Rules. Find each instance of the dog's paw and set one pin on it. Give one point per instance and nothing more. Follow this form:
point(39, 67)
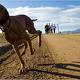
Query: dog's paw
point(23, 71)
point(34, 50)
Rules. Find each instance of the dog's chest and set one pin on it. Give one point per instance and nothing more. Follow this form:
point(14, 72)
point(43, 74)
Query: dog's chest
point(11, 37)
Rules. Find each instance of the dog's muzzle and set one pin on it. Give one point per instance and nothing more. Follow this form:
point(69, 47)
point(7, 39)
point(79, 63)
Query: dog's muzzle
point(5, 26)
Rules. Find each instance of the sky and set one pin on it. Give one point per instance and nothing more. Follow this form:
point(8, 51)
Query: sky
point(65, 14)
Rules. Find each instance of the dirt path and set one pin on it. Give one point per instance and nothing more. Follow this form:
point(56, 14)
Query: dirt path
point(57, 59)
point(37, 65)
point(65, 51)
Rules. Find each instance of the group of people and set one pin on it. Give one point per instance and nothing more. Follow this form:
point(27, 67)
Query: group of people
point(50, 28)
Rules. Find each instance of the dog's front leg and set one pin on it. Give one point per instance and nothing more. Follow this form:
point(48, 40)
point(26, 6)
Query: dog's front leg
point(25, 44)
point(21, 60)
point(30, 44)
point(39, 33)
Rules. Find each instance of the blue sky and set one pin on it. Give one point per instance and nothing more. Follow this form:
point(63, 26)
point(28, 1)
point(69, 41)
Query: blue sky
point(39, 3)
point(65, 13)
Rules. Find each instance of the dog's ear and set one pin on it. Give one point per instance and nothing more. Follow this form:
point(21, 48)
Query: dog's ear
point(4, 15)
point(34, 20)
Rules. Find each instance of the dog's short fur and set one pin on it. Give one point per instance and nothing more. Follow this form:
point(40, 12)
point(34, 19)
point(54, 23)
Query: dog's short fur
point(15, 28)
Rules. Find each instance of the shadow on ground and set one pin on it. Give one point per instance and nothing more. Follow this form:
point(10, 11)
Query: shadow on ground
point(61, 66)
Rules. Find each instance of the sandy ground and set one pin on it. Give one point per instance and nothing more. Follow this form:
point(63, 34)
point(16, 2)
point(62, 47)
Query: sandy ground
point(65, 50)
point(57, 59)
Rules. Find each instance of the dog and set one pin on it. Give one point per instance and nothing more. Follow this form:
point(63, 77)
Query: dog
point(14, 28)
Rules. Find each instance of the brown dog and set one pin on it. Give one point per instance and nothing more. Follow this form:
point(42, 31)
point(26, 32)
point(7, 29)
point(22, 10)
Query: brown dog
point(15, 28)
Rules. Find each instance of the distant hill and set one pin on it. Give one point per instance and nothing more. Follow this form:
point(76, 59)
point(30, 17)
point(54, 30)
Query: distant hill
point(71, 32)
point(76, 31)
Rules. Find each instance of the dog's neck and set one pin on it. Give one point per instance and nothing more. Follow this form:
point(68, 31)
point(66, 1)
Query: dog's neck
point(5, 26)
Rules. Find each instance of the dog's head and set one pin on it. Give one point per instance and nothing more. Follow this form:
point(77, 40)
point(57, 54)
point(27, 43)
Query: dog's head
point(4, 16)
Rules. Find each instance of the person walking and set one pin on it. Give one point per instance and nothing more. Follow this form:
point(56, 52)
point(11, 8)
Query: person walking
point(53, 28)
point(46, 28)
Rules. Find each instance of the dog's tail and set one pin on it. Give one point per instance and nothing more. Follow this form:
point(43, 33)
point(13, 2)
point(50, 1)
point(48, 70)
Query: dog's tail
point(34, 20)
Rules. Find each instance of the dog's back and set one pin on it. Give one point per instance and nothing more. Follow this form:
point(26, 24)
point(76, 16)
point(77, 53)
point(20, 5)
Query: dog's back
point(25, 22)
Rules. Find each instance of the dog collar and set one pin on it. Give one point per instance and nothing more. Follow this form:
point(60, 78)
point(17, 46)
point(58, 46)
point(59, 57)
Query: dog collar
point(5, 26)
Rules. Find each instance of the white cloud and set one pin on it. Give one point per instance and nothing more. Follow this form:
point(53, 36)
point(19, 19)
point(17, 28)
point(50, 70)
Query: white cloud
point(66, 18)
